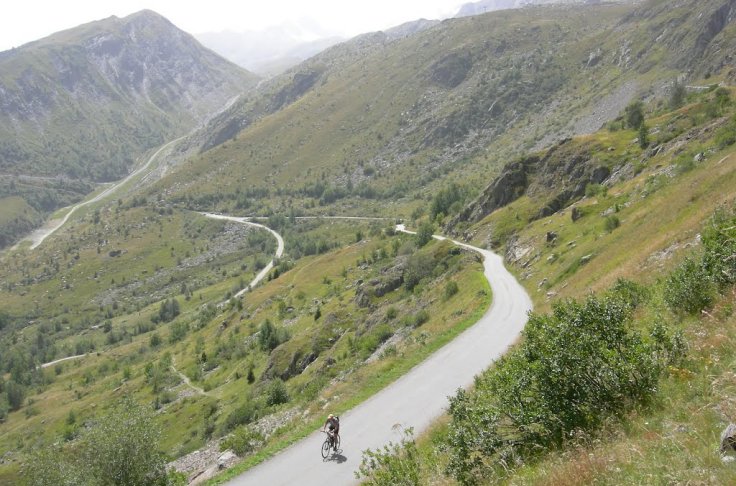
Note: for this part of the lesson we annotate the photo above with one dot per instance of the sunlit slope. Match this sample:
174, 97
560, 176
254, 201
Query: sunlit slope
378, 119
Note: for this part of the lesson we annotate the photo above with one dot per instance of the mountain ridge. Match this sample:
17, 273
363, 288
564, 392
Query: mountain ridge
83, 104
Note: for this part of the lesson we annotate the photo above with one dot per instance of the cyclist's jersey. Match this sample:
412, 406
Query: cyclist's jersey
334, 424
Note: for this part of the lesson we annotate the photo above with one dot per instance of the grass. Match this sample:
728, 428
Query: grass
675, 438
86, 386
371, 385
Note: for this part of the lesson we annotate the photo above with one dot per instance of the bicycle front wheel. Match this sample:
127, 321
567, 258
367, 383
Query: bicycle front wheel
325, 448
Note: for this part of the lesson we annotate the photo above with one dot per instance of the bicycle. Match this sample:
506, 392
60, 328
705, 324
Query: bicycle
331, 441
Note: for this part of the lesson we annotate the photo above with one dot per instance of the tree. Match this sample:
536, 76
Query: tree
15, 394
424, 233
277, 393
677, 95
121, 448
169, 310
634, 115
643, 136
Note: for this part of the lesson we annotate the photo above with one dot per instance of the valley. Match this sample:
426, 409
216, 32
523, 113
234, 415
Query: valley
240, 282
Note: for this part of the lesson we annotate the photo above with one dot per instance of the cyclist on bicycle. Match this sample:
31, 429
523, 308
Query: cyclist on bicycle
333, 423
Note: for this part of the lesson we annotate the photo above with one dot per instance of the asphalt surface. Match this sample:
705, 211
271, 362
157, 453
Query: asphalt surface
414, 400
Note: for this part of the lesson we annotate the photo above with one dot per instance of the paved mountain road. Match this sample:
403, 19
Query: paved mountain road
414, 400
37, 236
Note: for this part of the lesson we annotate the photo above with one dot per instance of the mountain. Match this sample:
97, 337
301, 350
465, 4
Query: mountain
378, 119
510, 128
271, 51
485, 6
85, 103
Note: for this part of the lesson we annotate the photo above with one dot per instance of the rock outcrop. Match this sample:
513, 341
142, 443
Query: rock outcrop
568, 168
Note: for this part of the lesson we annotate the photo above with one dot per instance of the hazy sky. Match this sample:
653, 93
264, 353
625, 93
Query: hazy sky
26, 20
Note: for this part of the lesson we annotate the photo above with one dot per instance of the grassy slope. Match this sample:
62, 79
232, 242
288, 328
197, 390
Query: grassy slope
85, 387
375, 120
677, 438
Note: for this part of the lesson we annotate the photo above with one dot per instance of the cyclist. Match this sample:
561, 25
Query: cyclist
333, 423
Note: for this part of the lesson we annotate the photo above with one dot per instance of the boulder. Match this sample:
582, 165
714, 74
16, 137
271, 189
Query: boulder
728, 439
227, 459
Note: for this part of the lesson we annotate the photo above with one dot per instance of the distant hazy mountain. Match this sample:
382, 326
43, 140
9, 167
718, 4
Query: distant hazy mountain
84, 103
271, 51
477, 8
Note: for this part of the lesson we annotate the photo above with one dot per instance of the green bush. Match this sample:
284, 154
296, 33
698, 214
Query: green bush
593, 190
119, 449
269, 336
611, 222
574, 368
451, 289
419, 266
421, 317
689, 288
634, 115
719, 243
726, 135
395, 464
244, 414
242, 441
276, 393
372, 340
424, 234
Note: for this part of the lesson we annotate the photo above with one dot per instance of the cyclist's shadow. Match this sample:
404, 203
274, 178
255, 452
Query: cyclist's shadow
336, 457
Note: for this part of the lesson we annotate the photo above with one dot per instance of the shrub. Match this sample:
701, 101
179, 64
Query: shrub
242, 441
276, 393
634, 115
395, 464
611, 223
719, 243
15, 394
451, 289
688, 288
592, 190
574, 368
168, 310
371, 341
643, 136
244, 414
178, 331
419, 266
269, 336
424, 233
421, 317
119, 449
677, 95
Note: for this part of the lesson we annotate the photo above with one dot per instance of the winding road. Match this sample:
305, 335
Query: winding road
414, 400
279, 250
37, 236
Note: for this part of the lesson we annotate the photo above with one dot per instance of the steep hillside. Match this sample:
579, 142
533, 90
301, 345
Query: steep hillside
535, 105
641, 263
361, 119
85, 103
350, 129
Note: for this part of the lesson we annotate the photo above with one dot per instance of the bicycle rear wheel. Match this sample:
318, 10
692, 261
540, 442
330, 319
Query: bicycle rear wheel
326, 448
